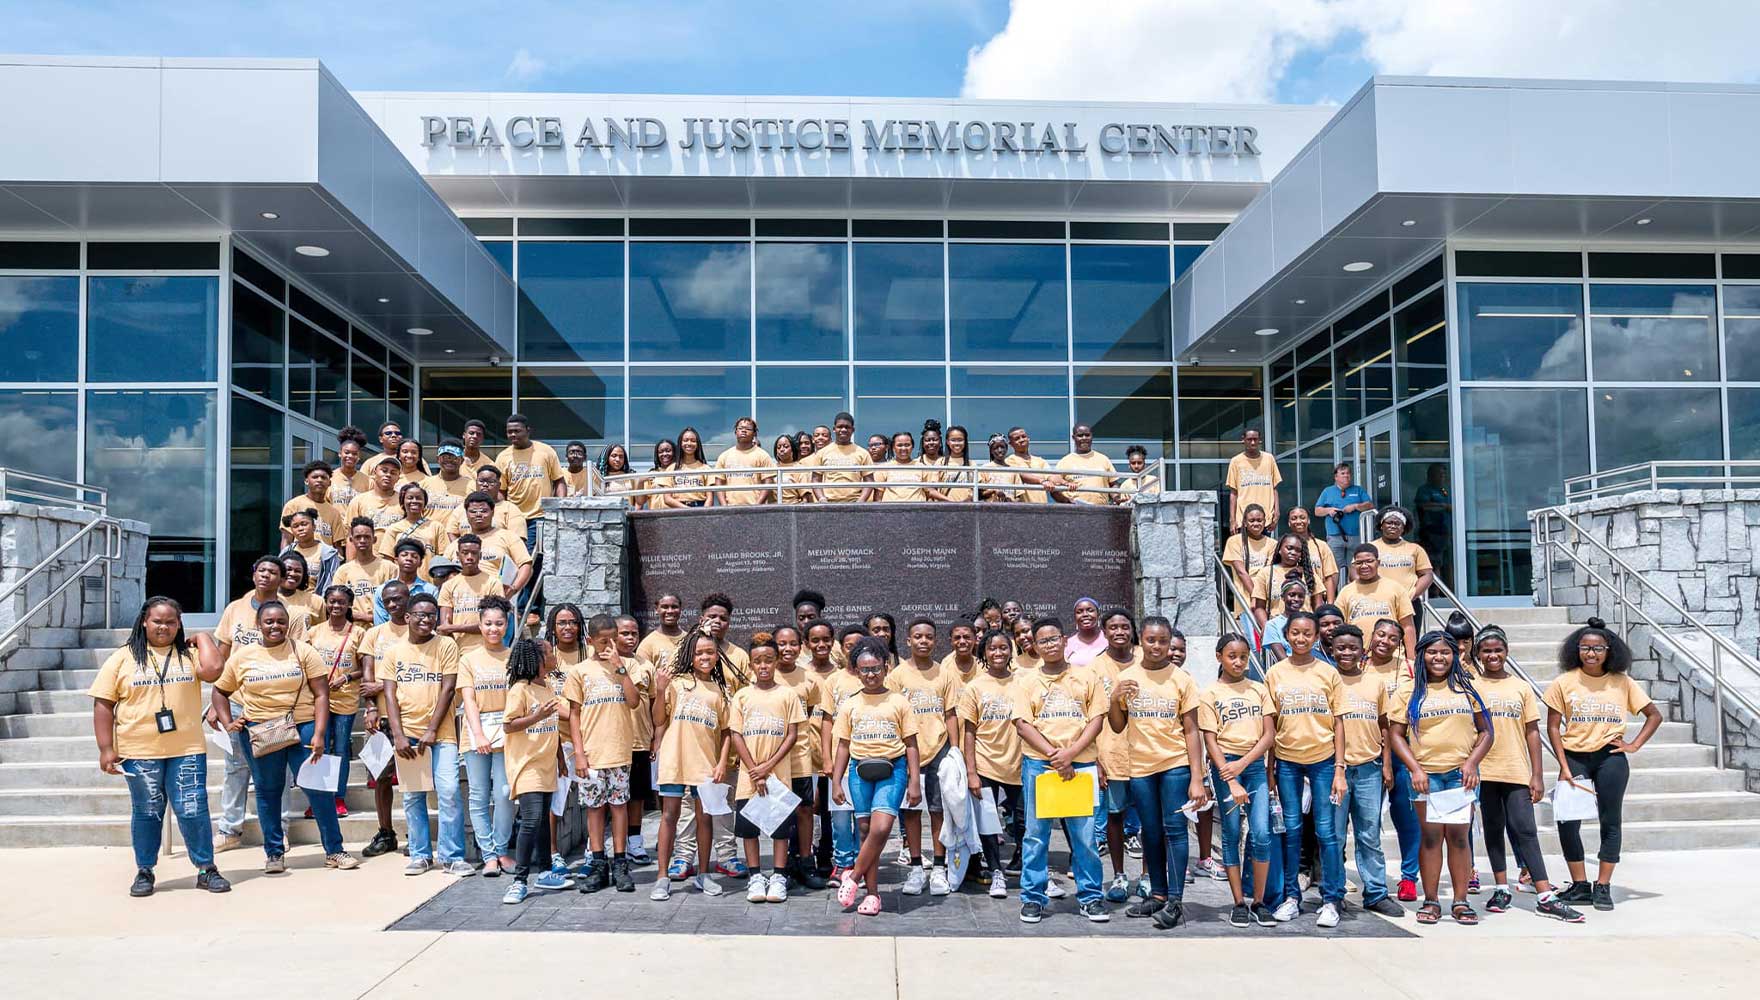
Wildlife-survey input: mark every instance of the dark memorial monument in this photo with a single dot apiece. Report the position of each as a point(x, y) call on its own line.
point(907, 559)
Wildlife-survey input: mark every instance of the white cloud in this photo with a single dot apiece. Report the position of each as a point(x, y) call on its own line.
point(1242, 50)
point(526, 67)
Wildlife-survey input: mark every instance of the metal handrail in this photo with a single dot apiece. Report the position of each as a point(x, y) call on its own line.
point(1622, 573)
point(1255, 657)
point(111, 552)
point(774, 480)
point(33, 485)
point(1656, 475)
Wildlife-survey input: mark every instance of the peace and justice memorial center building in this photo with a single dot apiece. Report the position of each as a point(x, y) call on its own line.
point(1470, 289)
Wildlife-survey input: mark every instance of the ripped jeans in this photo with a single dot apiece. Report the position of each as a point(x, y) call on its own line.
point(181, 781)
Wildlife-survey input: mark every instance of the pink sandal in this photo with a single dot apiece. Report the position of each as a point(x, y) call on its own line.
point(846, 891)
point(870, 906)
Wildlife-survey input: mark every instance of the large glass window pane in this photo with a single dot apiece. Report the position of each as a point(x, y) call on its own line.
point(570, 301)
point(329, 386)
point(900, 399)
point(313, 368)
point(1006, 302)
point(798, 398)
point(664, 401)
point(366, 396)
point(690, 301)
point(991, 399)
point(37, 432)
point(398, 403)
point(1313, 471)
point(1651, 425)
point(1283, 412)
point(39, 329)
point(156, 453)
point(257, 351)
point(1521, 331)
point(450, 396)
point(1654, 333)
point(801, 301)
point(1217, 405)
point(1420, 345)
point(1744, 426)
point(899, 299)
point(1364, 369)
point(1126, 406)
point(1519, 446)
point(1185, 255)
point(1314, 404)
point(1424, 483)
point(258, 476)
point(568, 404)
point(151, 329)
point(1119, 296)
point(1741, 333)
point(502, 251)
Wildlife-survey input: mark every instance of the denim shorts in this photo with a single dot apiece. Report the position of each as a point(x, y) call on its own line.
point(677, 791)
point(869, 797)
point(1118, 795)
point(1446, 780)
point(931, 773)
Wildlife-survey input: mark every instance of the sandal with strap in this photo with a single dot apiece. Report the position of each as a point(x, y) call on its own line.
point(1463, 913)
point(1430, 912)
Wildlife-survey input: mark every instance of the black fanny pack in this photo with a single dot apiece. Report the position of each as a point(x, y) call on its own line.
point(874, 769)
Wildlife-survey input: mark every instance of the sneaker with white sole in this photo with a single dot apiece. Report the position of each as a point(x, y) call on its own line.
point(938, 881)
point(552, 882)
point(1328, 915)
point(998, 885)
point(916, 882)
point(1120, 889)
point(662, 890)
point(461, 868)
point(341, 860)
point(777, 889)
point(904, 857)
point(417, 866)
point(756, 887)
point(1096, 912)
point(1216, 872)
point(1287, 910)
point(516, 893)
point(707, 886)
point(1053, 890)
point(1133, 846)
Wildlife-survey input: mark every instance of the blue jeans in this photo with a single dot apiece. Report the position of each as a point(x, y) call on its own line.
point(1271, 893)
point(341, 734)
point(886, 796)
point(183, 783)
point(492, 825)
point(1318, 775)
point(1257, 814)
point(1159, 798)
point(1036, 848)
point(1405, 820)
point(269, 774)
point(1362, 806)
point(443, 759)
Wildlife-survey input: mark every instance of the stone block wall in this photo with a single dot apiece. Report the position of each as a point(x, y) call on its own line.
point(1173, 540)
point(584, 541)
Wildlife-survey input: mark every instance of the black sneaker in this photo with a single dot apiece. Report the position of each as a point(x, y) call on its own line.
point(1385, 906)
point(1264, 916)
point(1558, 910)
point(1096, 913)
point(383, 842)
point(1145, 907)
point(1240, 916)
point(620, 879)
point(594, 877)
point(1171, 915)
point(806, 877)
point(212, 881)
point(143, 883)
point(1576, 892)
point(1602, 896)
point(1499, 901)
point(1014, 865)
point(1032, 913)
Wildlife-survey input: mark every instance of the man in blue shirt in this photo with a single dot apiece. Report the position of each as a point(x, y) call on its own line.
point(1338, 508)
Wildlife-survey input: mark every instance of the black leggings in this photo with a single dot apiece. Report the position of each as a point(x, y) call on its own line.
point(1504, 805)
point(1009, 805)
point(1610, 771)
point(531, 833)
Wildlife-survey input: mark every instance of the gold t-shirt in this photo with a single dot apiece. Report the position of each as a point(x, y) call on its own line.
point(1321, 561)
point(876, 726)
point(1593, 709)
point(690, 474)
point(986, 477)
point(1256, 553)
point(1073, 465)
point(1363, 605)
point(762, 718)
point(378, 642)
point(986, 706)
point(1444, 734)
point(732, 460)
point(574, 484)
point(530, 755)
point(382, 511)
point(140, 693)
point(909, 479)
point(840, 454)
point(330, 526)
point(807, 759)
point(238, 624)
point(1235, 713)
point(1268, 587)
point(303, 604)
point(1305, 699)
point(932, 694)
point(345, 488)
point(504, 516)
point(463, 594)
point(361, 580)
point(338, 651)
point(527, 474)
point(641, 673)
point(1402, 563)
point(839, 688)
point(1254, 482)
point(1155, 728)
point(973, 667)
point(604, 720)
point(503, 553)
point(427, 529)
point(791, 491)
point(419, 670)
point(445, 500)
point(268, 682)
point(484, 672)
point(657, 647)
point(1060, 706)
point(1366, 702)
point(1029, 462)
point(691, 745)
point(1512, 705)
point(1115, 755)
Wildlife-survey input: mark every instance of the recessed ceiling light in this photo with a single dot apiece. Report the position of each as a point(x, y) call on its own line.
point(1270, 331)
point(1643, 222)
point(1358, 265)
point(383, 300)
point(270, 215)
point(1301, 302)
point(1409, 222)
point(419, 331)
point(449, 351)
point(306, 250)
point(1231, 350)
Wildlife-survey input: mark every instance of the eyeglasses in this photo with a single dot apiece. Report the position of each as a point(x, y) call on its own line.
point(1591, 649)
point(424, 615)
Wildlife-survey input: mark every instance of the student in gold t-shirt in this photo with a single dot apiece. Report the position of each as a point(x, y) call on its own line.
point(295, 592)
point(805, 766)
point(764, 725)
point(963, 637)
point(463, 594)
point(1088, 469)
point(641, 775)
point(482, 692)
point(1252, 479)
point(348, 479)
point(744, 455)
point(1248, 551)
point(363, 571)
point(1442, 733)
point(992, 749)
point(842, 450)
point(417, 523)
point(147, 716)
point(502, 514)
point(933, 692)
point(1021, 456)
point(503, 552)
point(316, 476)
point(448, 488)
point(530, 471)
point(380, 504)
point(692, 471)
point(412, 468)
point(876, 731)
point(1307, 698)
point(1368, 765)
point(690, 735)
point(1237, 719)
point(602, 699)
point(579, 476)
point(785, 452)
point(420, 677)
point(532, 742)
point(337, 639)
point(1370, 597)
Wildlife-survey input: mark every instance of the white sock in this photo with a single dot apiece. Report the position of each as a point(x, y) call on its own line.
point(1548, 896)
point(635, 841)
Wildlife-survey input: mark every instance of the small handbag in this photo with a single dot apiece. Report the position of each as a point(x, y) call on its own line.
point(874, 769)
point(275, 734)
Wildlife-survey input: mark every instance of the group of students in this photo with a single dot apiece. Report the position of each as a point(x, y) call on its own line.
point(858, 721)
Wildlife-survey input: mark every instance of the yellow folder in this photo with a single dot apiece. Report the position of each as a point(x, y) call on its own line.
point(1055, 798)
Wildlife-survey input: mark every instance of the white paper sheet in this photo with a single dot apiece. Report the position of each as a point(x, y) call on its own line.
point(769, 812)
point(714, 798)
point(376, 754)
point(220, 741)
point(320, 775)
point(848, 804)
point(1574, 801)
point(1453, 806)
point(1192, 813)
point(559, 798)
point(989, 817)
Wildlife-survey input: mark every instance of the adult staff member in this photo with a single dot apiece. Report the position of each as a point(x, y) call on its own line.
point(147, 717)
point(1088, 468)
point(1338, 507)
point(1253, 479)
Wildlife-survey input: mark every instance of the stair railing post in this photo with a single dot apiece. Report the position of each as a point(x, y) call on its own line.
point(1717, 697)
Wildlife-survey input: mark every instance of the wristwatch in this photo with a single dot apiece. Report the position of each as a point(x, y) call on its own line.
point(622, 671)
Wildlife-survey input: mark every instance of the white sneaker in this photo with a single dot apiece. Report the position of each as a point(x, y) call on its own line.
point(1287, 910)
point(998, 885)
point(1053, 890)
point(915, 882)
point(777, 891)
point(1328, 916)
point(756, 887)
point(904, 856)
point(938, 881)
point(707, 886)
point(461, 868)
point(662, 890)
point(418, 866)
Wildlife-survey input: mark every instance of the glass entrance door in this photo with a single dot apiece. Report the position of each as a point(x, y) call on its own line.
point(1371, 448)
point(305, 443)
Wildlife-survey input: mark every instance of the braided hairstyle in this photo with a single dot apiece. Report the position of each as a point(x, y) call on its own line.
point(684, 656)
point(1459, 680)
point(1303, 569)
point(525, 661)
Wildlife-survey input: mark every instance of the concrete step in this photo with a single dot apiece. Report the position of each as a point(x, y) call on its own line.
point(1669, 755)
point(14, 727)
point(84, 773)
point(1530, 615)
point(86, 658)
point(1665, 835)
point(113, 800)
point(1680, 807)
point(1526, 633)
point(52, 702)
point(104, 638)
point(45, 749)
point(110, 831)
point(67, 680)
point(1656, 780)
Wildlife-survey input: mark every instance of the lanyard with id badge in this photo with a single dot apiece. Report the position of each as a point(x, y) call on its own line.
point(164, 718)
